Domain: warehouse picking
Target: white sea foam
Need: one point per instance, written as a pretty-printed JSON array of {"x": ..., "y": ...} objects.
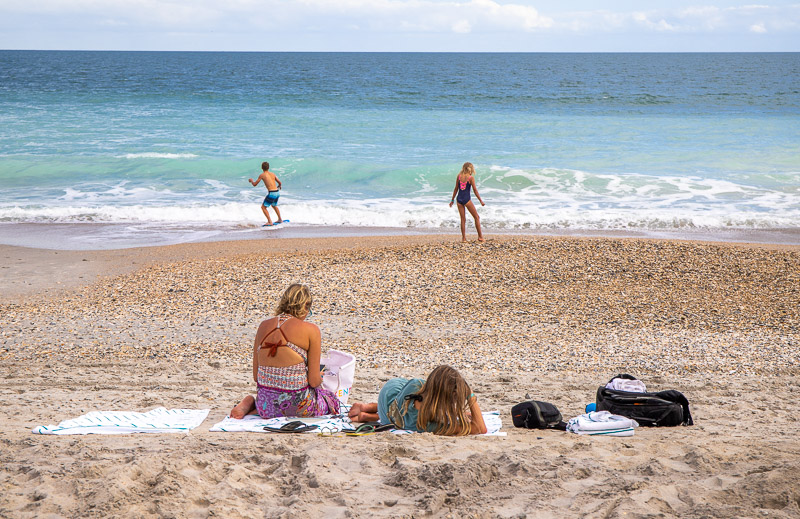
[
  {"x": 429, "y": 212},
  {"x": 544, "y": 198},
  {"x": 156, "y": 155}
]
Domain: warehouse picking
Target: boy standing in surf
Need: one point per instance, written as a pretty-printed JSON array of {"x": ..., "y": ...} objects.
[{"x": 273, "y": 185}]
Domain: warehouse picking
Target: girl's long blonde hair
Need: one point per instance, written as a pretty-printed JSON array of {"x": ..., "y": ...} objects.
[
  {"x": 467, "y": 170},
  {"x": 295, "y": 301},
  {"x": 444, "y": 400}
]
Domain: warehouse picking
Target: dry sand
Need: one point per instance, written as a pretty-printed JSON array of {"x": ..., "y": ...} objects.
[{"x": 553, "y": 317}]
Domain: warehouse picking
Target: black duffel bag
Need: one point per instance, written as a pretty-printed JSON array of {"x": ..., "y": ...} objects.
[{"x": 659, "y": 409}]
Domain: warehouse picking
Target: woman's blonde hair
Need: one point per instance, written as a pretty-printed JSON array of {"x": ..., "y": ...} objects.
[
  {"x": 295, "y": 301},
  {"x": 467, "y": 170},
  {"x": 444, "y": 400}
]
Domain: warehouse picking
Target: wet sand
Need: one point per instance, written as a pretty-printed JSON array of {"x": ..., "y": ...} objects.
[{"x": 554, "y": 317}]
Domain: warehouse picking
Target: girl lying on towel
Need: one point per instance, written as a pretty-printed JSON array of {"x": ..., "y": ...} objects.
[
  {"x": 442, "y": 404},
  {"x": 286, "y": 364}
]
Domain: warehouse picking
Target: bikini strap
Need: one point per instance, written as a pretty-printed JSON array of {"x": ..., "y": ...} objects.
[{"x": 273, "y": 346}]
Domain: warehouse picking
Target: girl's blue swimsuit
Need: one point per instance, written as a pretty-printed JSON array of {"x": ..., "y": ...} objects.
[{"x": 463, "y": 192}]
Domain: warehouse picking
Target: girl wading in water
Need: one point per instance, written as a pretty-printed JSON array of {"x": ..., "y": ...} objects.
[{"x": 464, "y": 182}]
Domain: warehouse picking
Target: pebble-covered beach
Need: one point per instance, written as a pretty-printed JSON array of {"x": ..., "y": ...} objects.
[
  {"x": 552, "y": 318},
  {"x": 548, "y": 304}
]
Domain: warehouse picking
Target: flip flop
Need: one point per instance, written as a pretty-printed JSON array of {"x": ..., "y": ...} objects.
[
  {"x": 292, "y": 427},
  {"x": 369, "y": 428}
]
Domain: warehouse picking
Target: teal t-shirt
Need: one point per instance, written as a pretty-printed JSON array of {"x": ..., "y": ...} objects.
[{"x": 392, "y": 399}]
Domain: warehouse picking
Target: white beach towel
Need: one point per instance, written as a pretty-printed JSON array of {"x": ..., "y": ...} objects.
[
  {"x": 326, "y": 424},
  {"x": 254, "y": 423},
  {"x": 159, "y": 420},
  {"x": 602, "y": 423}
]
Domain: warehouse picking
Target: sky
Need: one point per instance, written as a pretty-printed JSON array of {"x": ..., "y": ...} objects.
[{"x": 401, "y": 25}]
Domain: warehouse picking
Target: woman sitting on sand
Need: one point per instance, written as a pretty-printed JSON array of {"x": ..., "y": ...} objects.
[
  {"x": 286, "y": 357},
  {"x": 442, "y": 404}
]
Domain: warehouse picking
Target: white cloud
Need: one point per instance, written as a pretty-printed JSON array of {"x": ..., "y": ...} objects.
[
  {"x": 700, "y": 19},
  {"x": 150, "y": 12},
  {"x": 645, "y": 20},
  {"x": 462, "y": 27},
  {"x": 393, "y": 24},
  {"x": 427, "y": 15},
  {"x": 511, "y": 14}
]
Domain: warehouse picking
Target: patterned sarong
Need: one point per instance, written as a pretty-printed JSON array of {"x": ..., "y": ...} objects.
[{"x": 305, "y": 402}]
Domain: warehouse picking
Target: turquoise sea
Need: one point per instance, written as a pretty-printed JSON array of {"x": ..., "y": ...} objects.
[{"x": 135, "y": 148}]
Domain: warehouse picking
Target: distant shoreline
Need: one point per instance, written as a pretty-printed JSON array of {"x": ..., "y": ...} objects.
[{"x": 118, "y": 236}]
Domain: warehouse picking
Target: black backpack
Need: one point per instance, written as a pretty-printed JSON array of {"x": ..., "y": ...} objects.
[
  {"x": 660, "y": 409},
  {"x": 533, "y": 414}
]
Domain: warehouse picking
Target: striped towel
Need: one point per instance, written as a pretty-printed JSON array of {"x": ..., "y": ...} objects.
[
  {"x": 602, "y": 423},
  {"x": 159, "y": 420}
]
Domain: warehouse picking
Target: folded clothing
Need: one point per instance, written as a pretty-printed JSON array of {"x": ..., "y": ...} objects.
[
  {"x": 623, "y": 384},
  {"x": 159, "y": 420},
  {"x": 602, "y": 423}
]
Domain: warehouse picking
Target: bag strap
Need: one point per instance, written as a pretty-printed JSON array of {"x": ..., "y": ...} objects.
[
  {"x": 624, "y": 376},
  {"x": 678, "y": 398}
]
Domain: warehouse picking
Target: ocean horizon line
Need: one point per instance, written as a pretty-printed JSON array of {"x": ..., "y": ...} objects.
[{"x": 154, "y": 51}]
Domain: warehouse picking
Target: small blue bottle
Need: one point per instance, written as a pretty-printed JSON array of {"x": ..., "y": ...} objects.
[{"x": 590, "y": 408}]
